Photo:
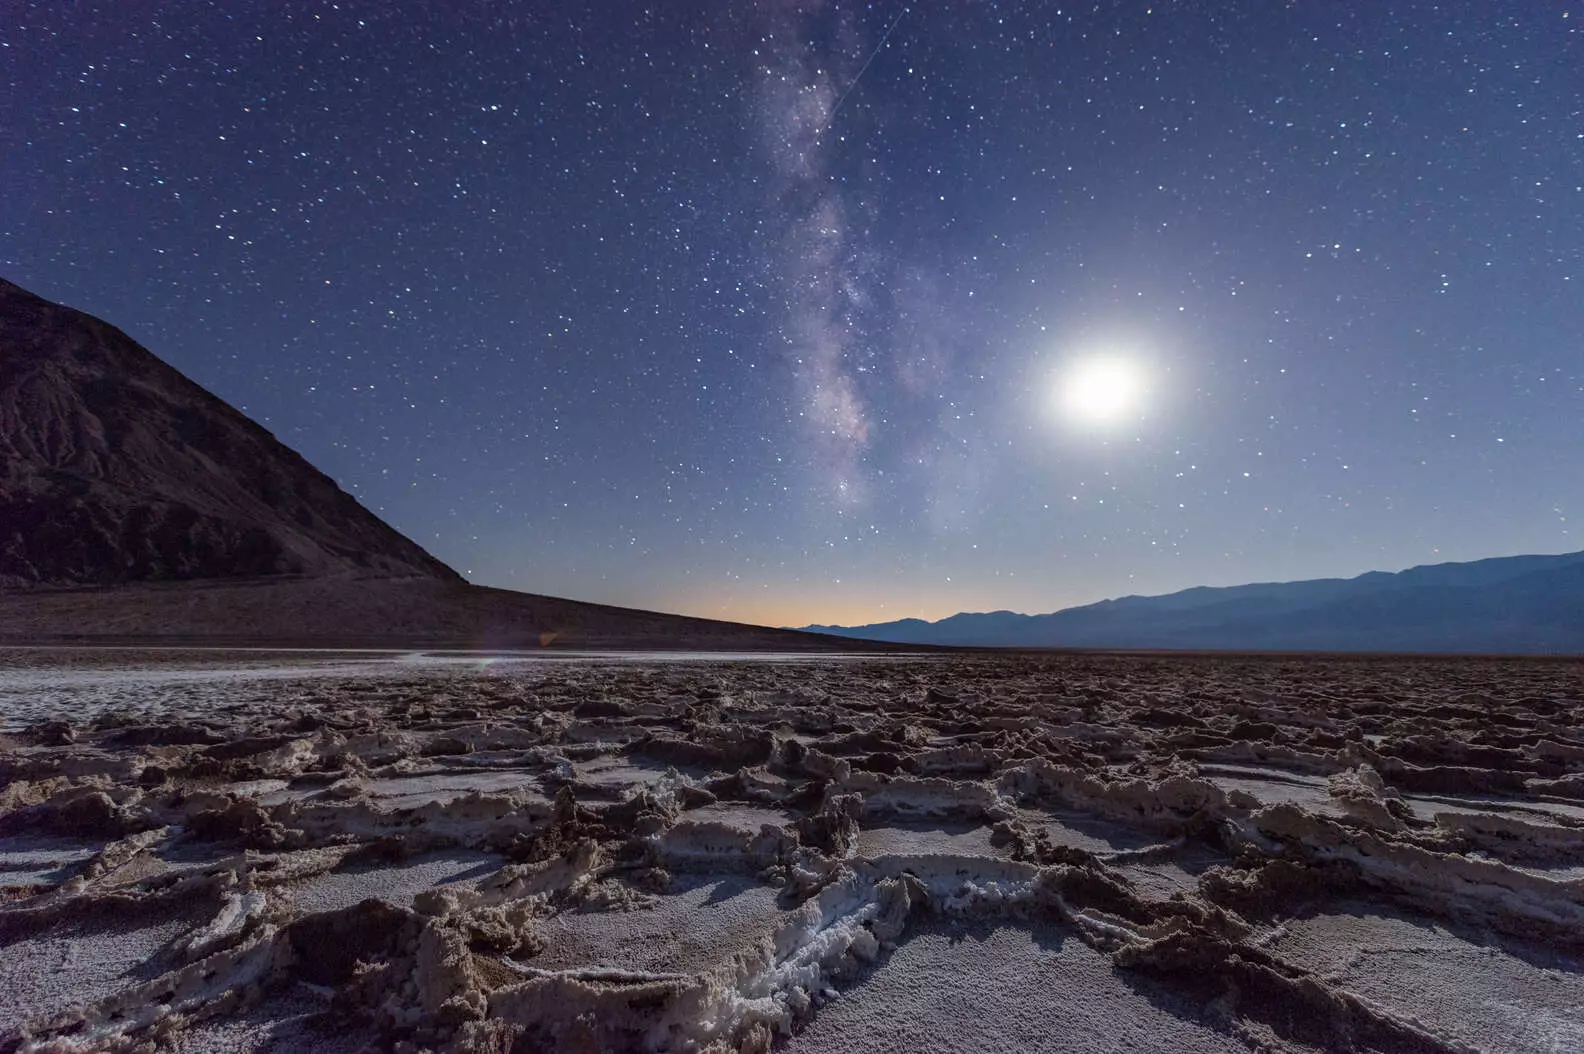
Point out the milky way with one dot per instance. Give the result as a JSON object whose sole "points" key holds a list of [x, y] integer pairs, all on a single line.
{"points": [[757, 310]]}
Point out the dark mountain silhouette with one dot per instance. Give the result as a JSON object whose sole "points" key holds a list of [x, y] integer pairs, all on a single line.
{"points": [[1519, 604], [135, 506], [116, 468]]}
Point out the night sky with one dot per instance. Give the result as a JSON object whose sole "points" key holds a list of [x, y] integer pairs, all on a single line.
{"points": [[842, 313]]}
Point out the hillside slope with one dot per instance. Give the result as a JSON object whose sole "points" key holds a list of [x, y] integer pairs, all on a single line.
{"points": [[114, 467], [136, 507]]}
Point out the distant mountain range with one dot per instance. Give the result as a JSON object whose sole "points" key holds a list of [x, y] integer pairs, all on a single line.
{"points": [[1517, 604]]}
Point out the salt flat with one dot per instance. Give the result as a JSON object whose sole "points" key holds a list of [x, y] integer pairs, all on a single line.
{"points": [[237, 850]]}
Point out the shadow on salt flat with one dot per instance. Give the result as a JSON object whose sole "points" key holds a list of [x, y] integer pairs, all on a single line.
{"points": [[34, 860], [400, 792], [81, 963], [1160, 881], [1089, 833], [1009, 989], [281, 1025], [698, 925], [396, 883], [1275, 787], [1460, 985], [1571, 813], [1164, 879]]}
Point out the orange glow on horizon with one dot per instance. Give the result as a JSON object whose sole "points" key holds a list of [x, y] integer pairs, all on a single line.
{"points": [[793, 608]]}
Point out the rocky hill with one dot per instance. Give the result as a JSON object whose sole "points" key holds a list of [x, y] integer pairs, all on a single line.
{"points": [[116, 468], [135, 507]]}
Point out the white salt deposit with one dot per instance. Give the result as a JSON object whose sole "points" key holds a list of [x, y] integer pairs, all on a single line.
{"points": [[1007, 990]]}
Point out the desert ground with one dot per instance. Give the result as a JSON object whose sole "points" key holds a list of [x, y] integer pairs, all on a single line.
{"points": [[343, 851]]}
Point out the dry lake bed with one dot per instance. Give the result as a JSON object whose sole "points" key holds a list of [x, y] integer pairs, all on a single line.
{"points": [[253, 850]]}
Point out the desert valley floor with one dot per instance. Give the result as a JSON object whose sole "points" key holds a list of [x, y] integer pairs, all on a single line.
{"points": [[235, 851]]}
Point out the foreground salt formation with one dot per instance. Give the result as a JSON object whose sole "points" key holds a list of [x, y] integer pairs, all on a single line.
{"points": [[823, 854]]}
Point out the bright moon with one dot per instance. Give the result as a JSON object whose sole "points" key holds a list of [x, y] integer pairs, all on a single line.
{"points": [[1101, 389]]}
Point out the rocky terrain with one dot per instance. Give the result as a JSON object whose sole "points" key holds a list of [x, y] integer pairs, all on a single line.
{"points": [[254, 851], [116, 468]]}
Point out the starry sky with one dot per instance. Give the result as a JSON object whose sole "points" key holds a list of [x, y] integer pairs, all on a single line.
{"points": [[765, 310]]}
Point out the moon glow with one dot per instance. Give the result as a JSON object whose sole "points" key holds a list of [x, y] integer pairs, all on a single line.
{"points": [[1101, 389]]}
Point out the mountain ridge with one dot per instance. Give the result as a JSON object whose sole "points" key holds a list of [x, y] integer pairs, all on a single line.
{"points": [[117, 468], [1526, 603]]}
